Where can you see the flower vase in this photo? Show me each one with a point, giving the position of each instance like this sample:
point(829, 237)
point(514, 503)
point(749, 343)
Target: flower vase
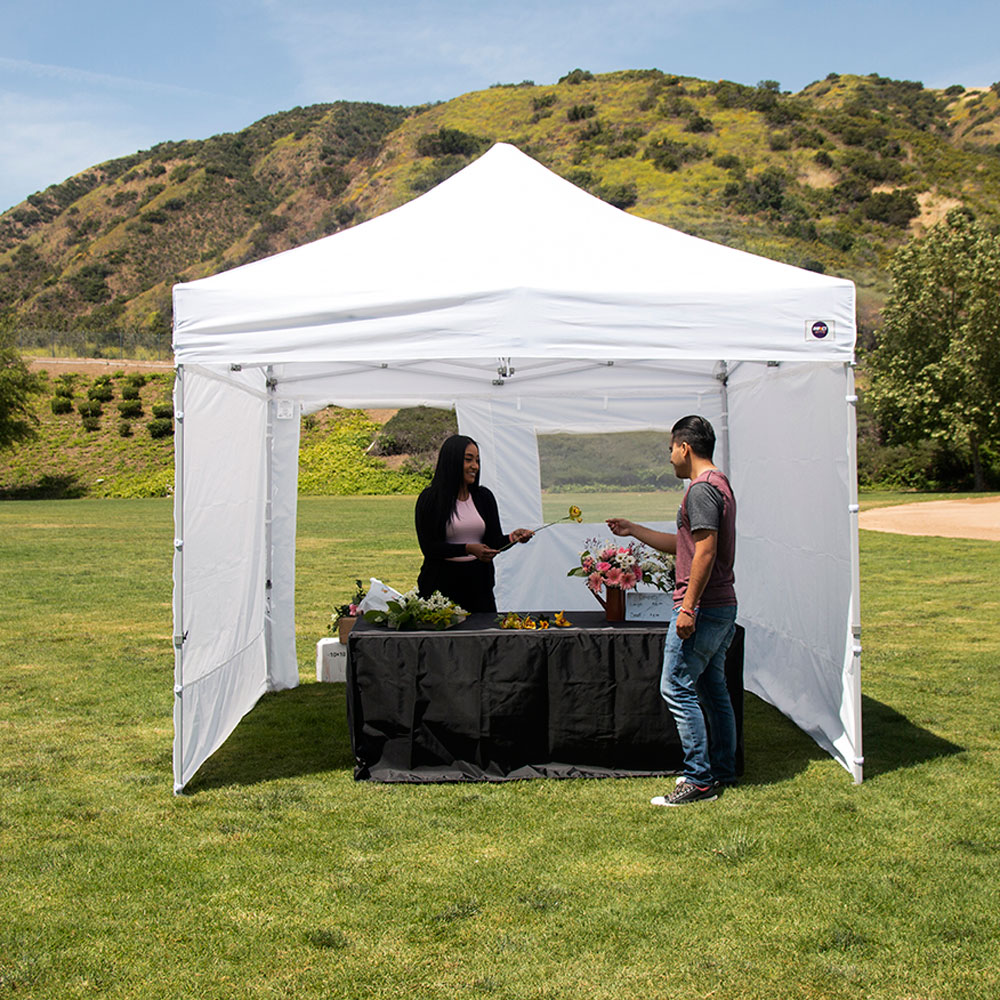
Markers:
point(344, 626)
point(613, 603)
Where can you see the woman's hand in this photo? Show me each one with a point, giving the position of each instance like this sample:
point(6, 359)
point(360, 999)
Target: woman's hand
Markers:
point(521, 535)
point(482, 552)
point(620, 526)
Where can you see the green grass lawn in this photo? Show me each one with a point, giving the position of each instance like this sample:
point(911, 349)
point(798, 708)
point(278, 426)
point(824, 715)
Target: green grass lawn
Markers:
point(278, 876)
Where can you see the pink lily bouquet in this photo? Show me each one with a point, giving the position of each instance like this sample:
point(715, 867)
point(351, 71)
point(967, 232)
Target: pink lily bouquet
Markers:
point(607, 564)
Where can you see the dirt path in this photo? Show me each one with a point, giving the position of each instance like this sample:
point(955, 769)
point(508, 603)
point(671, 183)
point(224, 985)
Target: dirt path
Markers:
point(976, 518)
point(96, 366)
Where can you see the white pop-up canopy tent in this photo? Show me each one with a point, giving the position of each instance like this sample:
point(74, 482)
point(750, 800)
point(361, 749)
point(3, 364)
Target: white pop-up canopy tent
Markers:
point(532, 307)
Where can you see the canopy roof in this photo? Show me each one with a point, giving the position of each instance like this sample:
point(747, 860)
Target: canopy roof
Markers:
point(505, 258)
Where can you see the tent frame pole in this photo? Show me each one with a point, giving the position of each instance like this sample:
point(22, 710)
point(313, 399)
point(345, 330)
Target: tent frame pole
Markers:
point(268, 527)
point(857, 764)
point(722, 374)
point(178, 608)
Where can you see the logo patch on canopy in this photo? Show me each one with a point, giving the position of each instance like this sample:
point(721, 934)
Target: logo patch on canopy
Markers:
point(820, 329)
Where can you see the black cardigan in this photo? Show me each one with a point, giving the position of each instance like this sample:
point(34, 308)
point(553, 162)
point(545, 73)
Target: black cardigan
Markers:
point(431, 536)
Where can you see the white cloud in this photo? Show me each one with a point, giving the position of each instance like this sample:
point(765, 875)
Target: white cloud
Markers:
point(70, 74)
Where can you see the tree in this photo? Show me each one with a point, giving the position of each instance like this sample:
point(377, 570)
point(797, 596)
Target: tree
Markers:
point(936, 370)
point(17, 386)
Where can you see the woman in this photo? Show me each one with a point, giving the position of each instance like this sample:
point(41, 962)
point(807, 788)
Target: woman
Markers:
point(458, 528)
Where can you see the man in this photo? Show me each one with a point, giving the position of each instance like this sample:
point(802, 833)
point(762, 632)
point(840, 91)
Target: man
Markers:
point(704, 616)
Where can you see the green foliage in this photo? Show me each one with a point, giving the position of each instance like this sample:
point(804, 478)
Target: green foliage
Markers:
point(670, 154)
point(130, 391)
point(18, 386)
point(339, 464)
point(124, 428)
point(91, 423)
point(89, 408)
point(936, 370)
point(450, 142)
point(89, 282)
point(160, 427)
point(699, 123)
point(130, 407)
point(101, 391)
point(61, 404)
point(577, 76)
point(434, 613)
point(416, 430)
point(580, 112)
point(762, 192)
point(895, 208)
point(620, 195)
point(608, 461)
point(163, 410)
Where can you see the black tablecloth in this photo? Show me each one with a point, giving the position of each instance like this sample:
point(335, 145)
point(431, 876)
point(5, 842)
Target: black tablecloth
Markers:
point(480, 703)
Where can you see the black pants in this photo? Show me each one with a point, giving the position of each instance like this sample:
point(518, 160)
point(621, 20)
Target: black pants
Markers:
point(468, 584)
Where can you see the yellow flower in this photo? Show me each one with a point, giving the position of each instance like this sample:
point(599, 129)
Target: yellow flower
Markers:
point(575, 513)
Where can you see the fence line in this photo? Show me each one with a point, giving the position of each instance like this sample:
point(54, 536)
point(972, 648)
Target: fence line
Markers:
point(139, 345)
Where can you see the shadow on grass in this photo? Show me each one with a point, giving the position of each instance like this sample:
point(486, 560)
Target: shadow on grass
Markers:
point(48, 487)
point(304, 731)
point(287, 734)
point(893, 742)
point(776, 749)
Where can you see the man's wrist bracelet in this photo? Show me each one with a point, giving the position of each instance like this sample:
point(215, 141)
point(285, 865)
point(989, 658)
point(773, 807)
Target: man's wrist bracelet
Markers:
point(685, 611)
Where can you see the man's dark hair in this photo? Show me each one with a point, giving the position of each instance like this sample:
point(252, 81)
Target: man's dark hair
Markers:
point(697, 432)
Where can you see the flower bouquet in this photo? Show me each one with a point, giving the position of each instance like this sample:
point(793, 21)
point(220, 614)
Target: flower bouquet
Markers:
point(412, 611)
point(618, 568)
point(343, 618)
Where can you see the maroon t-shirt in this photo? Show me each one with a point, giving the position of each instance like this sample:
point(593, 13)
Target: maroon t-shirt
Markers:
point(720, 590)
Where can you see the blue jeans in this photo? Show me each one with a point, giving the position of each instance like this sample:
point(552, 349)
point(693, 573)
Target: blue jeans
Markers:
point(693, 680)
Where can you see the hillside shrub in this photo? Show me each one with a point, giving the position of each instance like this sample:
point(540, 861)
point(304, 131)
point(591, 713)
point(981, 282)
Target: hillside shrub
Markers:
point(727, 161)
point(136, 380)
point(89, 408)
point(620, 195)
point(671, 155)
point(578, 112)
point(450, 142)
point(101, 392)
point(415, 430)
point(142, 485)
point(577, 76)
point(823, 158)
point(89, 282)
point(130, 391)
point(543, 102)
point(91, 424)
point(163, 411)
point(338, 464)
point(64, 391)
point(130, 408)
point(160, 428)
point(699, 123)
point(895, 208)
point(124, 428)
point(61, 404)
point(778, 142)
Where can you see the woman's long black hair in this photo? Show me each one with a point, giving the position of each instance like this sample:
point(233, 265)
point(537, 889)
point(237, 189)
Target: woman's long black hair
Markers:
point(449, 477)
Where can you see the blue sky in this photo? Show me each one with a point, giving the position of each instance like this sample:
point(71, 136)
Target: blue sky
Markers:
point(85, 82)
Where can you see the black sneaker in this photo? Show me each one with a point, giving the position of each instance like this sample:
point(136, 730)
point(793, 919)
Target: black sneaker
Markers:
point(686, 792)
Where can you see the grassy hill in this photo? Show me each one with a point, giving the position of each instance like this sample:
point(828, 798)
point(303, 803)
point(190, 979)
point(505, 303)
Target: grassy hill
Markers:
point(833, 178)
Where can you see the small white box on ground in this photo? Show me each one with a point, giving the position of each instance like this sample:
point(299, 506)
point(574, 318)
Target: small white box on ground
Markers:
point(331, 661)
